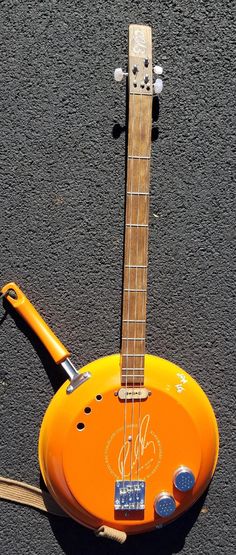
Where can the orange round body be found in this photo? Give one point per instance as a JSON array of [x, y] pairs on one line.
[[90, 439]]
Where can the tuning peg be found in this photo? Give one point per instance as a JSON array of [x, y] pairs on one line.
[[158, 70], [119, 74], [158, 86]]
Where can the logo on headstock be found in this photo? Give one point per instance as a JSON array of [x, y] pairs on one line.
[[138, 43]]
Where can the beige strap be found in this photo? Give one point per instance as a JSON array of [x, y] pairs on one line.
[[23, 493], [20, 492]]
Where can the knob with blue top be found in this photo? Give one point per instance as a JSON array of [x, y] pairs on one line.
[[184, 479], [164, 504]]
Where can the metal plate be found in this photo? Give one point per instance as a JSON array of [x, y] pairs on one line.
[[129, 495]]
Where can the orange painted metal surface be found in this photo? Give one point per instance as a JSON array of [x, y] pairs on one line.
[[91, 438], [24, 307], [82, 451]]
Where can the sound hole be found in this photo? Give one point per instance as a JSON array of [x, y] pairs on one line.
[[80, 426], [99, 397], [87, 410]]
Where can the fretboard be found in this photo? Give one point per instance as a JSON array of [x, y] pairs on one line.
[[136, 230]]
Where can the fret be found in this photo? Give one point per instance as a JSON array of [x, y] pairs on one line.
[[135, 266], [138, 321], [133, 369], [136, 290], [134, 279], [133, 379], [138, 175], [136, 193], [137, 373], [134, 338], [139, 157], [136, 225], [138, 93], [132, 355], [128, 376]]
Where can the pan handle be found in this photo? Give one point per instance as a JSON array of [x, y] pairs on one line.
[[24, 307]]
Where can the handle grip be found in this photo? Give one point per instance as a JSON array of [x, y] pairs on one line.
[[24, 307]]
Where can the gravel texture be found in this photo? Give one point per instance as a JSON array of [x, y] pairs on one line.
[[62, 157]]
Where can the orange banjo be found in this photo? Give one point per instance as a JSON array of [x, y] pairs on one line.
[[131, 441]]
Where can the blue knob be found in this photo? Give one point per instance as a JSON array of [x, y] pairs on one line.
[[184, 479], [164, 504]]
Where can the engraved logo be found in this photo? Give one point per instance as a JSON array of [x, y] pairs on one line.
[[140, 446], [138, 43], [139, 454]]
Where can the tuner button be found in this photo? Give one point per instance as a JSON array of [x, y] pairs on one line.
[[135, 69], [184, 479], [158, 70], [119, 74], [158, 86], [164, 504]]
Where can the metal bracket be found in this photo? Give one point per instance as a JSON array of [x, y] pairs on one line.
[[129, 495], [76, 379]]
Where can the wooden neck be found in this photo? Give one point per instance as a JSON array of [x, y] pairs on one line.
[[136, 237]]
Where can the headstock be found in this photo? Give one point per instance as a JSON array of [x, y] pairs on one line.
[[140, 74]]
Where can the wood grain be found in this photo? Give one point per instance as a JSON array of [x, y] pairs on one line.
[[136, 233], [140, 56]]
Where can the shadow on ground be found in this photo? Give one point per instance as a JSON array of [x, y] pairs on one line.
[[75, 539]]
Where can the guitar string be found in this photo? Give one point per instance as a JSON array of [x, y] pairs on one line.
[[142, 304], [144, 299], [130, 271], [138, 241], [127, 247], [143, 312]]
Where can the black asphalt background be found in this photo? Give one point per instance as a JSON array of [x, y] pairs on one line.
[[62, 213]]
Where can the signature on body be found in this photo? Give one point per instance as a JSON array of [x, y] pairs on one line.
[[132, 452]]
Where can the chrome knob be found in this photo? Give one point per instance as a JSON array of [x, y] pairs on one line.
[[158, 70], [119, 74], [158, 86], [184, 478], [164, 504]]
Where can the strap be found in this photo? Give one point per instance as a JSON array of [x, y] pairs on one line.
[[20, 492], [111, 534], [23, 493]]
